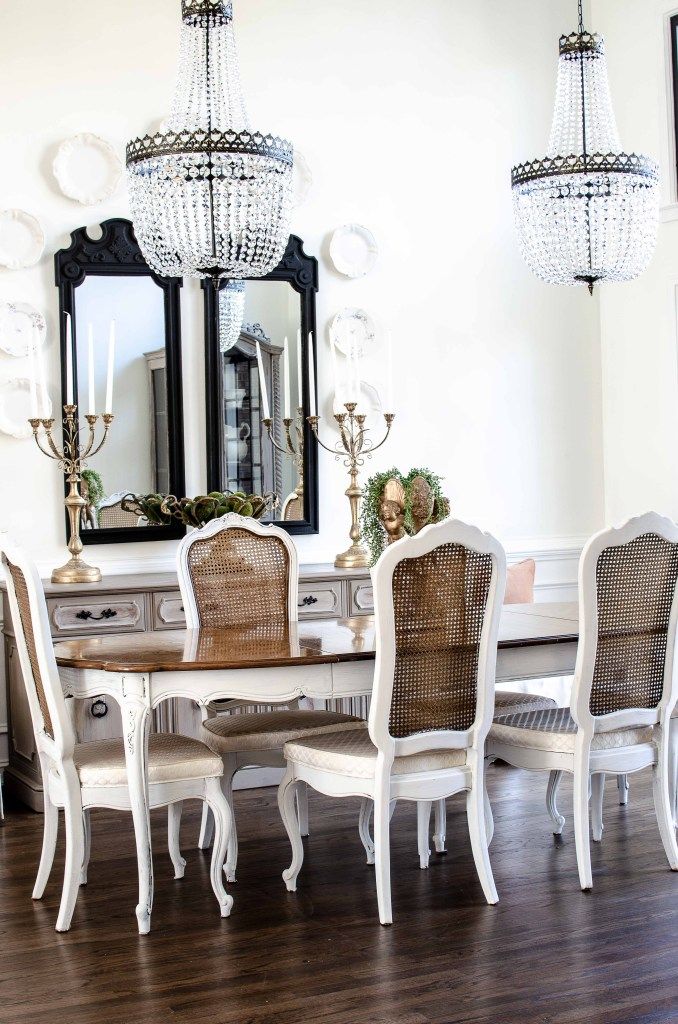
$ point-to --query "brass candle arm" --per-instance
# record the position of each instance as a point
(72, 459)
(293, 449)
(354, 446)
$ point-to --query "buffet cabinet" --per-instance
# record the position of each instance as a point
(136, 603)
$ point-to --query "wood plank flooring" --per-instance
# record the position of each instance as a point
(547, 954)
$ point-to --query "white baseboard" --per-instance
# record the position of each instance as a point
(257, 778)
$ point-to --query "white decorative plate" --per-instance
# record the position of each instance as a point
(352, 330)
(88, 169)
(302, 179)
(353, 250)
(21, 328)
(22, 241)
(15, 407)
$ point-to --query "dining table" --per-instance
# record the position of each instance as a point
(321, 659)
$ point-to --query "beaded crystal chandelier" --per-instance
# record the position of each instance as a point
(209, 196)
(587, 211)
(231, 314)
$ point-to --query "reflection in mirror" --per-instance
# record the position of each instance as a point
(137, 453)
(262, 313)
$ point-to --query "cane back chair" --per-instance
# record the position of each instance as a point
(237, 573)
(437, 606)
(80, 776)
(625, 686)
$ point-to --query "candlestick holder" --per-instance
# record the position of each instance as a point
(293, 448)
(356, 446)
(72, 460)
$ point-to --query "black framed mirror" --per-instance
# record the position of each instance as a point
(107, 279)
(239, 317)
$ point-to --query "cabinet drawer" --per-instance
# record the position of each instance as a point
(361, 598)
(316, 599)
(168, 610)
(116, 613)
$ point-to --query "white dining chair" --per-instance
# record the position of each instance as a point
(625, 686)
(237, 573)
(80, 776)
(437, 604)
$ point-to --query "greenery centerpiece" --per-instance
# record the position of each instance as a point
(395, 505)
(164, 509)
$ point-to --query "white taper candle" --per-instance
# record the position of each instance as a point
(262, 384)
(300, 375)
(69, 360)
(108, 407)
(90, 370)
(286, 381)
(311, 378)
(32, 380)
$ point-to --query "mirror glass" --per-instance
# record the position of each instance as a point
(267, 313)
(135, 457)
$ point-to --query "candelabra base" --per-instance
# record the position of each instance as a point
(355, 557)
(76, 571)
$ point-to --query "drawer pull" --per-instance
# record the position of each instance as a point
(85, 614)
(99, 708)
(308, 600)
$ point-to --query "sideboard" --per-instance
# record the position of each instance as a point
(131, 604)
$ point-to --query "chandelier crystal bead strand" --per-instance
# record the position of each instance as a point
(210, 197)
(587, 211)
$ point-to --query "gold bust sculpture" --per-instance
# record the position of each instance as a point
(392, 510)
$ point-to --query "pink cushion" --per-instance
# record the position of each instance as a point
(520, 582)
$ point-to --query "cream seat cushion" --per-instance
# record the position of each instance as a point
(555, 731)
(509, 702)
(171, 758)
(269, 730)
(353, 753)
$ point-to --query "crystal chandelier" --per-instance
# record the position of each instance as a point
(587, 211)
(209, 196)
(231, 314)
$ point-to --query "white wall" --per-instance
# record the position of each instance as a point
(410, 117)
(638, 320)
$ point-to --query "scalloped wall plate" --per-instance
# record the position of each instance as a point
(88, 169)
(353, 250)
(352, 329)
(15, 407)
(22, 241)
(21, 327)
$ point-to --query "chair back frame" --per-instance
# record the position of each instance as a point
(450, 531)
(649, 523)
(215, 526)
(61, 745)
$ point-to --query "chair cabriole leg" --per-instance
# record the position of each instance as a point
(173, 838)
(290, 819)
(597, 794)
(551, 805)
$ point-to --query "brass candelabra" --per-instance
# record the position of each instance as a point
(72, 459)
(294, 447)
(355, 446)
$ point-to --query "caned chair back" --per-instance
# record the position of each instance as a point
(628, 613)
(51, 722)
(437, 604)
(235, 572)
(110, 513)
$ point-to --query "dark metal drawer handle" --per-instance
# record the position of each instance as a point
(306, 601)
(99, 708)
(107, 613)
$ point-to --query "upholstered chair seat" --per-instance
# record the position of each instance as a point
(556, 730)
(508, 702)
(270, 731)
(354, 754)
(171, 758)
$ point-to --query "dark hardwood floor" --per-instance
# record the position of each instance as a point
(547, 954)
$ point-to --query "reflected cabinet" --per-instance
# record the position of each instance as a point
(260, 333)
(100, 281)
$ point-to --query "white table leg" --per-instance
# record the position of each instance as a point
(136, 719)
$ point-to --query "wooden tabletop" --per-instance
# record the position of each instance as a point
(313, 642)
